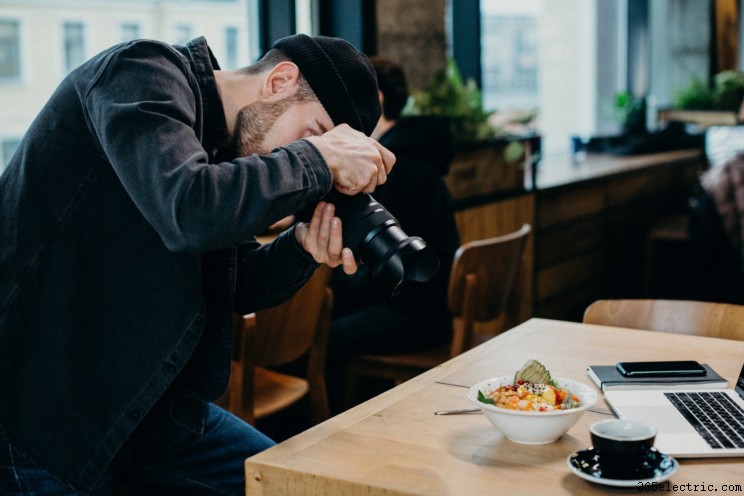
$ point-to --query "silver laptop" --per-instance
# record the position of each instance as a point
(689, 423)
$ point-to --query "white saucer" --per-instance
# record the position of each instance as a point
(586, 464)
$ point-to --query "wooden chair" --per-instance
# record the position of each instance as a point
(482, 281)
(667, 246)
(699, 318)
(277, 336)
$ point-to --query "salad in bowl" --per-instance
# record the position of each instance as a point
(532, 407)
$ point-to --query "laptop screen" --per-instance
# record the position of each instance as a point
(740, 383)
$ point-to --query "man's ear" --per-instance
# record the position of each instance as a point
(281, 81)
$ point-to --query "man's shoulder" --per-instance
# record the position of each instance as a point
(137, 51)
(142, 58)
(147, 48)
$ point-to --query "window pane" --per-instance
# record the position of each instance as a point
(37, 48)
(509, 60)
(305, 16)
(10, 49)
(183, 34)
(7, 148)
(231, 48)
(537, 55)
(681, 31)
(570, 59)
(74, 45)
(130, 31)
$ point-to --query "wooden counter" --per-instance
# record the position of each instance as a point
(590, 221)
(556, 172)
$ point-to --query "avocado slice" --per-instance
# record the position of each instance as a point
(533, 371)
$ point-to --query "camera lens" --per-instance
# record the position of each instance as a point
(378, 242)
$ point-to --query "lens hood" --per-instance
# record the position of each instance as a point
(378, 241)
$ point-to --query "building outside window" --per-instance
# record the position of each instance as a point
(7, 148)
(74, 45)
(183, 34)
(10, 50)
(570, 59)
(130, 31)
(509, 64)
(33, 63)
(231, 48)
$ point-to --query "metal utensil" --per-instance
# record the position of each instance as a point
(458, 412)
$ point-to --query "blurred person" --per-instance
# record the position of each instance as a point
(716, 231)
(366, 320)
(127, 220)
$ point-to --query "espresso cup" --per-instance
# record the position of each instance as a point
(622, 445)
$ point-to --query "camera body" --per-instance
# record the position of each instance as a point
(378, 241)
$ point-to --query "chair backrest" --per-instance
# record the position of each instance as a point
(278, 335)
(699, 318)
(481, 281)
(285, 332)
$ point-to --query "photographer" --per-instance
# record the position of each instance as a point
(127, 219)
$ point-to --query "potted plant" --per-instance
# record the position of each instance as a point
(492, 149)
(719, 103)
(631, 112)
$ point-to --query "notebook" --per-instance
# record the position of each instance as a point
(608, 378)
(689, 423)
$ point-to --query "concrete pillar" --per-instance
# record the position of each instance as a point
(412, 33)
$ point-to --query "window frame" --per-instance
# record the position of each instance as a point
(19, 49)
(67, 64)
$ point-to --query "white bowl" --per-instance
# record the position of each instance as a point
(533, 427)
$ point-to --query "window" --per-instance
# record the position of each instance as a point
(34, 59)
(306, 17)
(509, 63)
(74, 45)
(10, 50)
(130, 31)
(569, 59)
(7, 148)
(231, 48)
(536, 55)
(183, 34)
(681, 37)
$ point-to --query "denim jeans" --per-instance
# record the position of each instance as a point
(162, 458)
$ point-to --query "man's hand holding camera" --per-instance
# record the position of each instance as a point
(358, 164)
(322, 239)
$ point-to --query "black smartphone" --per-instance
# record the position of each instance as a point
(661, 369)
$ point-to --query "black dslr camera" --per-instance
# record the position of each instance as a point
(378, 242)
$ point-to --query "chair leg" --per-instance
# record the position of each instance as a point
(351, 382)
(316, 376)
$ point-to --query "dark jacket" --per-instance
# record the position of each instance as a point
(124, 251)
(415, 193)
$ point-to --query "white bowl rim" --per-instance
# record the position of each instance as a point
(473, 396)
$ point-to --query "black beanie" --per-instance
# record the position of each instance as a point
(341, 77)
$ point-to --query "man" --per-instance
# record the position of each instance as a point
(127, 220)
(366, 320)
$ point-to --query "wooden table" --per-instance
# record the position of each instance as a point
(394, 444)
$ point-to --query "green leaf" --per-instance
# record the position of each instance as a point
(483, 399)
(446, 94)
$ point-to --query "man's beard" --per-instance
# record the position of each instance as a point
(253, 123)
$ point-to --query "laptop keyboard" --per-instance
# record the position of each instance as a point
(714, 416)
